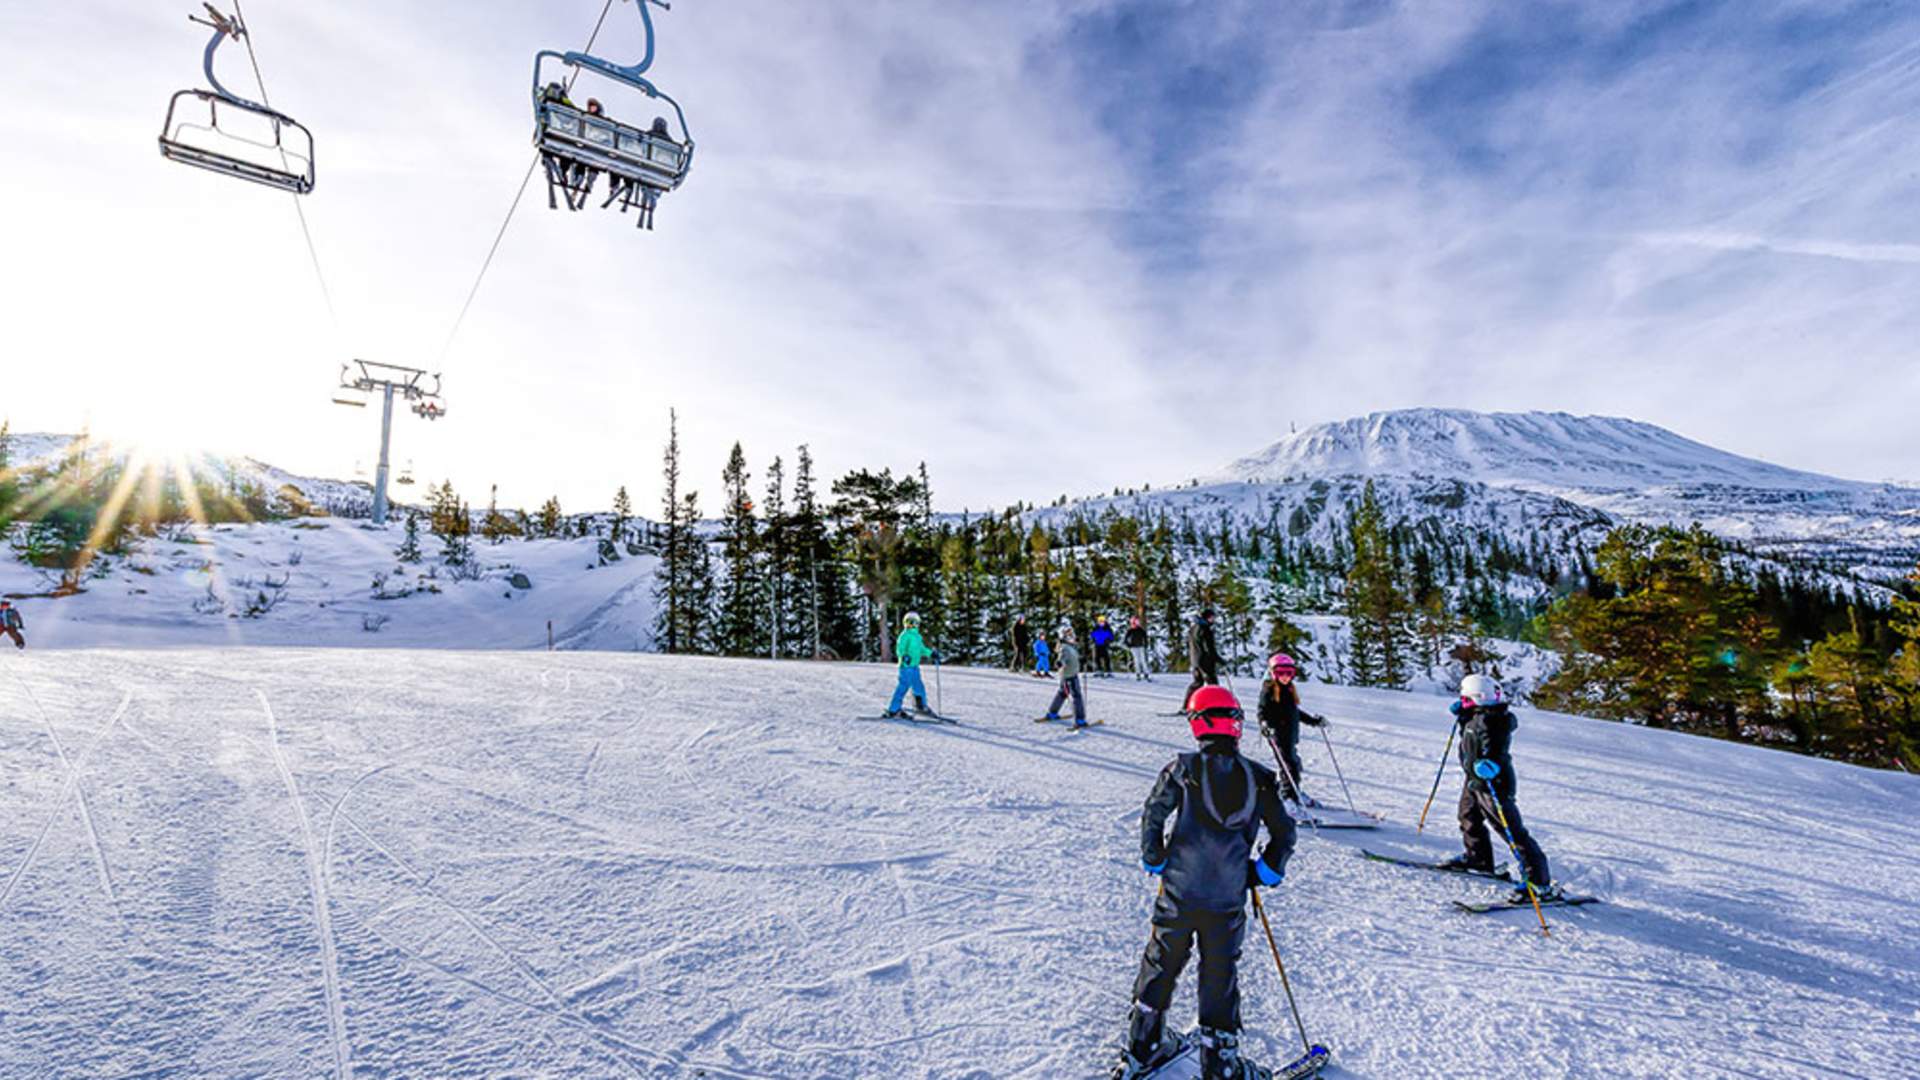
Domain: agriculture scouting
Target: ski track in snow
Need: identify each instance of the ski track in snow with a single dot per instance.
(632, 865)
(322, 908)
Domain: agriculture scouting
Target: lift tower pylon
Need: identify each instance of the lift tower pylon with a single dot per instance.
(388, 380)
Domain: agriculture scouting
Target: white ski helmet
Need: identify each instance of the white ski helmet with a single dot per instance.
(912, 619)
(1480, 691)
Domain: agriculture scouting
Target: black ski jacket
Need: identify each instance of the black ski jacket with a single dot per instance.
(1280, 716)
(11, 619)
(1136, 637)
(1218, 800)
(1487, 733)
(1203, 652)
(1022, 640)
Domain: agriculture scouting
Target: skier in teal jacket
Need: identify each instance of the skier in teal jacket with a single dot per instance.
(909, 650)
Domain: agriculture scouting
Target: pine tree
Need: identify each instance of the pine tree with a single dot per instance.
(783, 624)
(551, 522)
(9, 489)
(671, 580)
(496, 526)
(409, 549)
(1378, 608)
(743, 627)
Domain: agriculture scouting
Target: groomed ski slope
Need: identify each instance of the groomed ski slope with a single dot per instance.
(384, 864)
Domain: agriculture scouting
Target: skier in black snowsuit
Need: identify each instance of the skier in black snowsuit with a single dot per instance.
(1137, 648)
(1280, 720)
(1217, 801)
(1486, 734)
(1022, 643)
(11, 624)
(1203, 656)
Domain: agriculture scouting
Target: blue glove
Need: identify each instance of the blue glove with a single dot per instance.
(1454, 708)
(1485, 769)
(1264, 874)
(934, 656)
(1153, 868)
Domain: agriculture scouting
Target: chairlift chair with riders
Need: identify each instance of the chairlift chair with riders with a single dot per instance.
(577, 146)
(406, 473)
(235, 136)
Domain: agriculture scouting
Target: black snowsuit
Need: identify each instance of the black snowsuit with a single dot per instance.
(11, 624)
(1203, 655)
(1022, 644)
(1487, 733)
(1280, 720)
(1218, 800)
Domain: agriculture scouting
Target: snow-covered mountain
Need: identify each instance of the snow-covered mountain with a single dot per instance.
(1624, 469)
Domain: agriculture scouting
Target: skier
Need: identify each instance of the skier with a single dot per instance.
(1486, 735)
(1217, 801)
(11, 624)
(1101, 638)
(1040, 656)
(1280, 720)
(1203, 656)
(910, 650)
(1022, 642)
(1069, 680)
(1137, 648)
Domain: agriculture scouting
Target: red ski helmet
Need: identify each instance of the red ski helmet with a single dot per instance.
(1282, 662)
(1213, 710)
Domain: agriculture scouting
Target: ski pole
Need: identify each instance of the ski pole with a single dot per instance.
(1492, 770)
(939, 701)
(1336, 769)
(1437, 774)
(1261, 911)
(1281, 760)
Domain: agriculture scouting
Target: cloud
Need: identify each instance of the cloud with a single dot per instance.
(1045, 247)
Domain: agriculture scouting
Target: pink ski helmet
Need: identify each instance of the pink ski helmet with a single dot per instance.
(1281, 662)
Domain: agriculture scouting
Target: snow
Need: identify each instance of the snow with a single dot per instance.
(281, 862)
(194, 585)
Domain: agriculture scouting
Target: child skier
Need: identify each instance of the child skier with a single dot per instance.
(1217, 801)
(1280, 720)
(909, 650)
(1486, 738)
(1040, 655)
(1137, 648)
(1069, 681)
(1101, 638)
(11, 624)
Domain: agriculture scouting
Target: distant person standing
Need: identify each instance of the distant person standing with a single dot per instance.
(1137, 648)
(909, 650)
(1041, 668)
(11, 624)
(1101, 638)
(1022, 642)
(1069, 681)
(1203, 655)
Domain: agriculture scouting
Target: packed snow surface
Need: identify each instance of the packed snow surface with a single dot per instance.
(241, 862)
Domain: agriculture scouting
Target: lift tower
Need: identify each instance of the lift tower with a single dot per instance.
(388, 380)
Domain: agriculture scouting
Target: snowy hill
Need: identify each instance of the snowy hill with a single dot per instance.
(294, 862)
(1627, 470)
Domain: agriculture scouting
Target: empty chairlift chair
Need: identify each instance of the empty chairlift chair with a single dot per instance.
(577, 147)
(222, 132)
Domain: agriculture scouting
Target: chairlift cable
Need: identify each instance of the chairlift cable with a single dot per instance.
(461, 319)
(313, 253)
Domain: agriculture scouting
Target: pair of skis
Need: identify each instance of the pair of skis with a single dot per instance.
(1185, 1064)
(1069, 723)
(914, 718)
(1498, 873)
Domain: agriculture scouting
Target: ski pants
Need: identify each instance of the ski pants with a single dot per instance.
(1477, 811)
(1201, 677)
(1103, 659)
(18, 641)
(1139, 654)
(1069, 684)
(1220, 934)
(909, 680)
(1286, 748)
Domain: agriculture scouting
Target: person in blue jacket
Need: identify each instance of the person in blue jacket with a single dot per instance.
(909, 650)
(1101, 638)
(1041, 655)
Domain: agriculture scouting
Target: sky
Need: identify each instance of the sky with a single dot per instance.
(1045, 247)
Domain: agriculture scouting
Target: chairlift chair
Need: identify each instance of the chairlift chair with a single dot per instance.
(576, 147)
(406, 473)
(234, 136)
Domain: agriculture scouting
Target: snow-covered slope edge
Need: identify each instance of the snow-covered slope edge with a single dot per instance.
(595, 865)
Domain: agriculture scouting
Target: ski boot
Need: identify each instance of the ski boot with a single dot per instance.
(1520, 897)
(1220, 1057)
(1461, 864)
(920, 705)
(1133, 1067)
(896, 714)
